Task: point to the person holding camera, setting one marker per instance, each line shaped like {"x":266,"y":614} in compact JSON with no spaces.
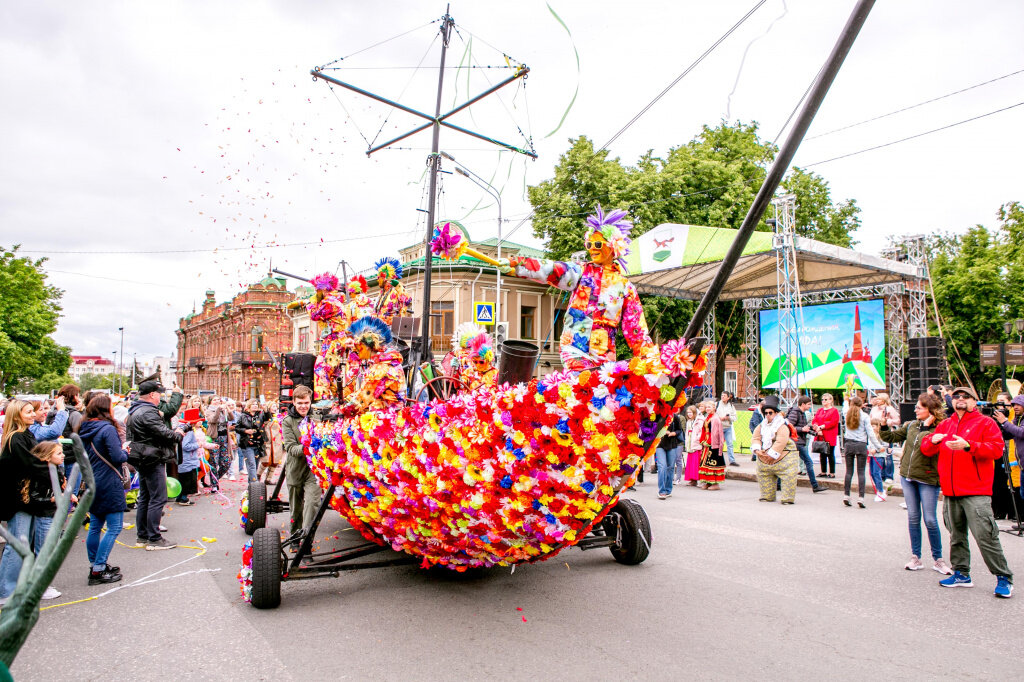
{"x":1011,"y":423}
{"x":796,"y":415}
{"x":967,"y":444}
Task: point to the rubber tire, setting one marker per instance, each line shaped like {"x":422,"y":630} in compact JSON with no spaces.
{"x":635,"y":522}
{"x":266,"y":568}
{"x":257,"y":516}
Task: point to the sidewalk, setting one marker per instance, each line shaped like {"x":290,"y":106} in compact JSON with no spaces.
{"x":747,"y":471}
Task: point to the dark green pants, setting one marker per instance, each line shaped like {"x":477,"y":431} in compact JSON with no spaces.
{"x":975,"y":513}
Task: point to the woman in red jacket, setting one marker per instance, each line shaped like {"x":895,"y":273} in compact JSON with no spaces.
{"x":826,"y":428}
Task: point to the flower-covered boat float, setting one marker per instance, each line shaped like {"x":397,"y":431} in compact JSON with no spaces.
{"x":503,"y":472}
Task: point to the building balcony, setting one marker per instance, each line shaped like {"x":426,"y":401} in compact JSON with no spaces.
{"x":197,"y":363}
{"x":248,"y":358}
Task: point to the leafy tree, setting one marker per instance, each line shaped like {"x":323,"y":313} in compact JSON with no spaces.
{"x":29,"y":310}
{"x":51,"y":381}
{"x":978,"y":279}
{"x":90,"y":382}
{"x":710,"y":180}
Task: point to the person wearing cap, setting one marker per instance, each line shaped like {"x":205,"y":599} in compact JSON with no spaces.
{"x":190,"y":456}
{"x":1013,"y":429}
{"x":967,"y":444}
{"x":153,"y":445}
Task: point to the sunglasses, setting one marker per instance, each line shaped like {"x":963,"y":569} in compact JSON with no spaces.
{"x":768,"y":411}
{"x":959,"y":396}
{"x":593,"y":245}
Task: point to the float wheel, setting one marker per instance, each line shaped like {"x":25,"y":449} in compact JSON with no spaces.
{"x":635,"y":544}
{"x":257,"y":516}
{"x":266,"y":568}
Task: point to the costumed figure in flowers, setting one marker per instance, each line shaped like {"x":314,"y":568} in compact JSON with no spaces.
{"x":392,"y":301}
{"x":359,"y":304}
{"x":473,"y":352}
{"x":382,"y":383}
{"x":327,"y":308}
{"x":603,"y":300}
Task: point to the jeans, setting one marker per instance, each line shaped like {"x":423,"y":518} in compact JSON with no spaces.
{"x":889,"y":469}
{"x":150,"y":506}
{"x":973,"y":512}
{"x":729,"y":436}
{"x":923,"y":499}
{"x":808,"y":463}
{"x":98,"y":549}
{"x":876,"y":465}
{"x":861,"y":482}
{"x":666,"y":460}
{"x":10,"y":565}
{"x":40,"y":528}
{"x":249,"y":455}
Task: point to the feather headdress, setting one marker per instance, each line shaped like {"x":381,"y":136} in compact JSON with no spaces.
{"x":390,"y":267}
{"x":614,"y":229}
{"x":371,"y":331}
{"x":357,"y":285}
{"x":325,"y":282}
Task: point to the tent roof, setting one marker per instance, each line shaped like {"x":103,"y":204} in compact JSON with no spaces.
{"x":681,"y":260}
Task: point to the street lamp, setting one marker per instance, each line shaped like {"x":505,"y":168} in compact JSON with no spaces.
{"x":114,"y":362}
{"x":1019,"y":325}
{"x":489,"y":188}
{"x":120,"y":364}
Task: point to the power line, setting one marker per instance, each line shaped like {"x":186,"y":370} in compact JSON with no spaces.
{"x":914,"y":106}
{"x":913,"y":137}
{"x":219,"y":248}
{"x":690,"y":68}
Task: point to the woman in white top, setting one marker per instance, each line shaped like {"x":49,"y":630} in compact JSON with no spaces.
{"x":726,"y":411}
{"x":694,"y":424}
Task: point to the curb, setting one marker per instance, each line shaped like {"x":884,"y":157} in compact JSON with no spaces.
{"x":803,"y":482}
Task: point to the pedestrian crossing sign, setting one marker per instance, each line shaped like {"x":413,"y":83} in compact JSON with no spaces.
{"x":483,"y":312}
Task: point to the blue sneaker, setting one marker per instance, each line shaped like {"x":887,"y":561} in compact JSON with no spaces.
{"x":1004,"y":588}
{"x":958,"y":579}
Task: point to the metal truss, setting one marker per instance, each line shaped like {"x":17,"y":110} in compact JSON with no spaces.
{"x":708,"y":331}
{"x":787,"y":300}
{"x":895,"y":342}
{"x":752,"y":348}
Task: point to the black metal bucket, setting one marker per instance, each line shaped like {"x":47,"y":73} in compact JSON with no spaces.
{"x":518,"y":358}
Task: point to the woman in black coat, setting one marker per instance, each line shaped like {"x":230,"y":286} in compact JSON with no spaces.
{"x":103,"y":446}
{"x":16,"y":465}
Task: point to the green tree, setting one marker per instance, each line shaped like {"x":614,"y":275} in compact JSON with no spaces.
{"x":29,"y":310}
{"x":710,"y":180}
{"x":110,"y":382}
{"x":978,"y":278}
{"x":51,"y":381}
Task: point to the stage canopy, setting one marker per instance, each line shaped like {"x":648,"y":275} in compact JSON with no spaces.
{"x":680,"y":260}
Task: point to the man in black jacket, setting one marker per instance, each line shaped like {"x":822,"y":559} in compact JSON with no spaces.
{"x":153,"y":445}
{"x":797,"y":416}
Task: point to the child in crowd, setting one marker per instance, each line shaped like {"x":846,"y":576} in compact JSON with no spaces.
{"x":39,"y":497}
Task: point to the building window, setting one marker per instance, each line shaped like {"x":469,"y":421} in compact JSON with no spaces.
{"x":257,"y":339}
{"x":528,"y":322}
{"x":303,"y":338}
{"x":442,"y":324}
{"x":731,"y":381}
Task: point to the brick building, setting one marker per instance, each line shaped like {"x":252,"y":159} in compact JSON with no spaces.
{"x":90,"y":364}
{"x":230,"y":348}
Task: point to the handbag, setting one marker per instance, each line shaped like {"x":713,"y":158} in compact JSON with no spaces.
{"x":123,"y":473}
{"x":821,"y":447}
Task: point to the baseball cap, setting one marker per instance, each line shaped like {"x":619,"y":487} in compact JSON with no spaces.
{"x":965,"y":389}
{"x":151,"y":386}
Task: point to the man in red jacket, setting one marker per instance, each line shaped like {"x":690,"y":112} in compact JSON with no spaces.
{"x":968,"y":443}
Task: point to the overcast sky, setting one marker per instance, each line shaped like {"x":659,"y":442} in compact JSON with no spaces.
{"x":155,"y":150}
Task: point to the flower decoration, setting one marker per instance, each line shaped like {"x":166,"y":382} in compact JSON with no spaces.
{"x":243,"y":509}
{"x":390,"y":268}
{"x":480,"y":347}
{"x":325,"y":282}
{"x":448,"y":243}
{"x":614,"y":229}
{"x":496,"y":475}
{"x":676,"y":357}
{"x":357,"y":285}
{"x":245,"y":572}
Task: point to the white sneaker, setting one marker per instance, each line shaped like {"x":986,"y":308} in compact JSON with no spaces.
{"x":51,"y":593}
{"x":162,"y":528}
{"x":879,"y":496}
{"x":231,"y":477}
{"x":914,"y":564}
{"x":903,"y":505}
{"x":942,"y":566}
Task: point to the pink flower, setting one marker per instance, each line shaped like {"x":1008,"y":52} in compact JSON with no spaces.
{"x":676,"y":357}
{"x":447,"y":243}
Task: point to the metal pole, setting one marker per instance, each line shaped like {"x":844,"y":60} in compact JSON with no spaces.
{"x":1002,"y":366}
{"x":120,"y":365}
{"x":435,"y":162}
{"x":781,"y":165}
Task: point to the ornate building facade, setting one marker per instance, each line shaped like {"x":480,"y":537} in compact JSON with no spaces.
{"x":233,"y":348}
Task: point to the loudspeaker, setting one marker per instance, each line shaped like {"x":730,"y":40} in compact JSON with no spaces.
{"x":926,"y":363}
{"x":907,"y":412}
{"x":299,"y":368}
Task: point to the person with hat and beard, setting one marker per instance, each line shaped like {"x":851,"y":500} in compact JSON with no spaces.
{"x":153,"y":445}
{"x":1012,"y":426}
{"x":774,"y":464}
{"x":967,"y":444}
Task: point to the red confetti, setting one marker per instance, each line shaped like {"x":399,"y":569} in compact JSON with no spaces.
{"x":524,"y":619}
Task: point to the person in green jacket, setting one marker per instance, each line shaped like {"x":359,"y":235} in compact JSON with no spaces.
{"x":303,"y":490}
{"x":920,"y":480}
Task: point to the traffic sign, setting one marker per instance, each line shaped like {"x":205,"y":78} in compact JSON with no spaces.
{"x":483,"y":312}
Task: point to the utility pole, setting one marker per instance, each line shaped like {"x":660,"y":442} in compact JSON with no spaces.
{"x":120,"y":364}
{"x":434,"y":122}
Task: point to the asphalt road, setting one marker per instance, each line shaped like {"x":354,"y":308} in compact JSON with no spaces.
{"x":733,"y":589}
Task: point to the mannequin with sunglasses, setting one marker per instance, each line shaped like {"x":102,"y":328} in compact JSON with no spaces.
{"x":603,"y":300}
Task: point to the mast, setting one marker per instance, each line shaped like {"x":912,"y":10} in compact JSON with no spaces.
{"x":435,"y":164}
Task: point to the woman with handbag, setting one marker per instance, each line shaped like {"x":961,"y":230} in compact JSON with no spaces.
{"x":107,"y":457}
{"x":826,"y":430}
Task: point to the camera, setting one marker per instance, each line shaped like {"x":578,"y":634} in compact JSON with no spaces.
{"x":990,"y":409}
